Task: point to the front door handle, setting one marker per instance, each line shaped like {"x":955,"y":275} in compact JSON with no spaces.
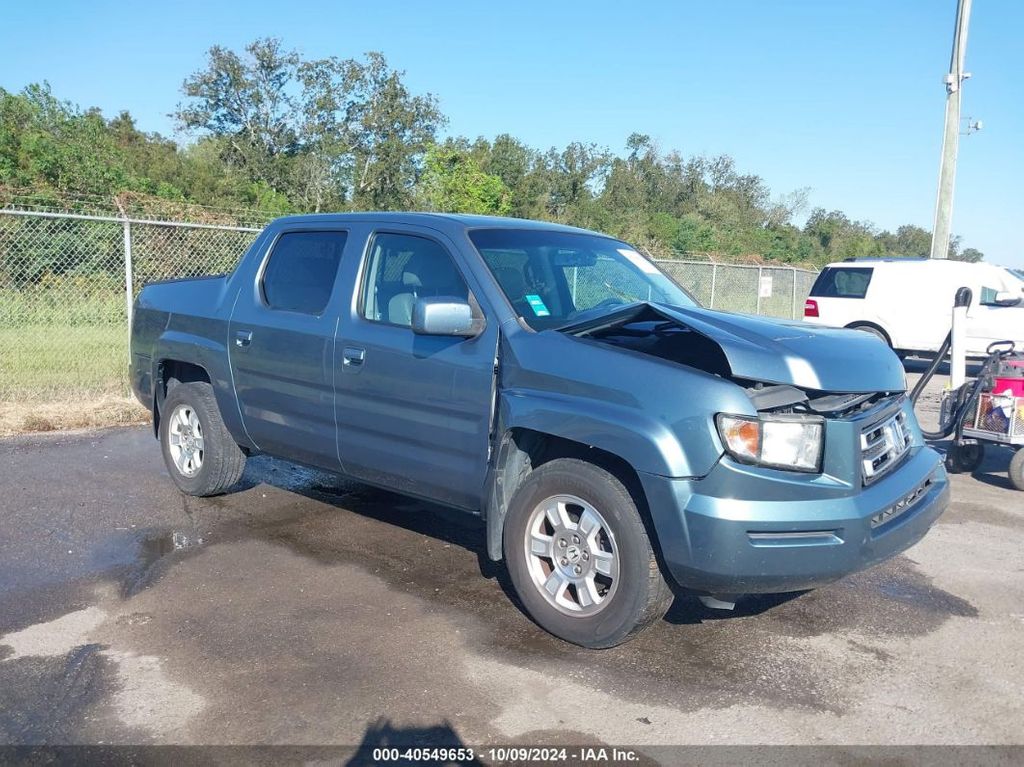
{"x":243,"y":338}
{"x":353,"y":356}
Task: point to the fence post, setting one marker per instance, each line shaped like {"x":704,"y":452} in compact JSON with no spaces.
{"x":128,"y":297}
{"x":714,"y":278}
{"x":758,"y":309}
{"x":792,"y":313}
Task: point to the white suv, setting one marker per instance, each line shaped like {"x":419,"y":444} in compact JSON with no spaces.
{"x":907,"y":302}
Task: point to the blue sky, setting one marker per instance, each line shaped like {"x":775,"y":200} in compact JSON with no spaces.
{"x":842,"y":97}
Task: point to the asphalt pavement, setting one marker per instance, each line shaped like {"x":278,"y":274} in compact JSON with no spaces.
{"x":303,"y":609}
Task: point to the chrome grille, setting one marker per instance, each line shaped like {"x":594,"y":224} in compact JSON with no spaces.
{"x":882,"y":445}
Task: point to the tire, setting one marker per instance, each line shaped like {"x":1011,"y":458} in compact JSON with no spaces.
{"x":964,"y":458}
{"x":876,"y":332}
{"x":1016,"y":472}
{"x":619,"y":574}
{"x":189,"y":412}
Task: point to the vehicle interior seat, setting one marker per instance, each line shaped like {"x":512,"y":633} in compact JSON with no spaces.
{"x":400,"y":305}
{"x":428,"y":273}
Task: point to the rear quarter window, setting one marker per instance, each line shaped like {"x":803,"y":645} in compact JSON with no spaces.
{"x":846,"y":282}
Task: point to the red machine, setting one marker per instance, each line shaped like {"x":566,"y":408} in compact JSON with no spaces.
{"x":986,"y":411}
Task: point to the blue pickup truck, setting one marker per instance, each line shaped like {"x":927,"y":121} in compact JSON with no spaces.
{"x":620,"y":442}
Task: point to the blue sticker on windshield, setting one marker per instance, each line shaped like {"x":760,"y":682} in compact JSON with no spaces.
{"x":537,"y":304}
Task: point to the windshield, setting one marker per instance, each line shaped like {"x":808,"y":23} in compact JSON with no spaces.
{"x":554,"y":278}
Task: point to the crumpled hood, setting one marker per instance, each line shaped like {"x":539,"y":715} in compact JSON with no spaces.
{"x":788,"y":352}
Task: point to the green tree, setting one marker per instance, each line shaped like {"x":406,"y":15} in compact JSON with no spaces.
{"x":282,"y":133}
{"x":912,"y":241}
{"x":837,"y":237}
{"x":571,"y":176}
{"x":454,"y":182}
{"x":521,"y":170}
{"x":51,"y":143}
{"x":249,"y":102}
{"x":322,"y":131}
{"x":395,"y":130}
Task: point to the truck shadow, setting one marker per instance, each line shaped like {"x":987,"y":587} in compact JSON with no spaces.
{"x":449,"y":527}
{"x":452,"y":527}
{"x":688,"y":610}
{"x":382,"y":734}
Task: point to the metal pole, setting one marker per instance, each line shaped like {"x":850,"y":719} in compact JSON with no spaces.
{"x":792,"y":312}
{"x":758,"y":309}
{"x":958,"y":345}
{"x":951,"y":136}
{"x":714,"y":278}
{"x":128,"y":292}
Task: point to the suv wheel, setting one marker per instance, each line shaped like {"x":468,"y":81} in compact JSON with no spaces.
{"x":579,"y":555}
{"x":200,"y":454}
{"x":875,"y":331}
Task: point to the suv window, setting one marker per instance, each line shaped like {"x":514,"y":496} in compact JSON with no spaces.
{"x":846,"y":282}
{"x":405,"y":267}
{"x":299,"y":276}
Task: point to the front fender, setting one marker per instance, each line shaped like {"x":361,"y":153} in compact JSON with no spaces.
{"x":644,"y":442}
{"x":648,"y":445}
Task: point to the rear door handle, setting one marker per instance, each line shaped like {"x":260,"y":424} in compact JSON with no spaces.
{"x":353,"y":356}
{"x":243,"y":338}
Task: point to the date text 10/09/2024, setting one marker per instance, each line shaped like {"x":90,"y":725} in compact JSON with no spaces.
{"x":517,"y":754}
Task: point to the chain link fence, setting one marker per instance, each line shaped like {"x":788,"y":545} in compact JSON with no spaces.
{"x":66,"y":286}
{"x":772,"y":291}
{"x":67,"y":282}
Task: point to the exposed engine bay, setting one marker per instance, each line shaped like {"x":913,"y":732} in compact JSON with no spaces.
{"x":648,"y":330}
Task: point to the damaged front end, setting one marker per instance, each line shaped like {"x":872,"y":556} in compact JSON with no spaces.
{"x":752,"y":349}
{"x":797,"y":378}
{"x":811,"y":422}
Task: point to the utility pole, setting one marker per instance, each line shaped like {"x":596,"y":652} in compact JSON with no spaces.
{"x":951,"y":137}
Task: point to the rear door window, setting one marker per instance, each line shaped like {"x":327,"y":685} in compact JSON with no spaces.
{"x":299,"y":276}
{"x":845,"y":282}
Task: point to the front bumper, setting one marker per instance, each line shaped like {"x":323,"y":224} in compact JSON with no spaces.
{"x":745,"y":529}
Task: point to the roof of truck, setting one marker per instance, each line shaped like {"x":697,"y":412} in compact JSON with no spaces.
{"x":460,"y":220}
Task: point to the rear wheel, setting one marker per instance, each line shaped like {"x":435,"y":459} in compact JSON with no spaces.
{"x":579,"y":555}
{"x":875,"y":331}
{"x":1017,"y":469}
{"x":200,"y":454}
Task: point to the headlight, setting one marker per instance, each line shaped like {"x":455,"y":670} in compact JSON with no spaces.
{"x":791,"y":442}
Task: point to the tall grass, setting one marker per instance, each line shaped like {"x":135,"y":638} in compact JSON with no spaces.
{"x":62,"y":337}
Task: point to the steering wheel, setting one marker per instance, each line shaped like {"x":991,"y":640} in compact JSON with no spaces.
{"x":610,"y":301}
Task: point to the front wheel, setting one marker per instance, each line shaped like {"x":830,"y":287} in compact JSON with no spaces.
{"x":579,"y":556}
{"x":201,"y":456}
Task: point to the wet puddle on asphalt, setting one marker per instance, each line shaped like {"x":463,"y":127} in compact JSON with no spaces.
{"x":152,"y":548}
